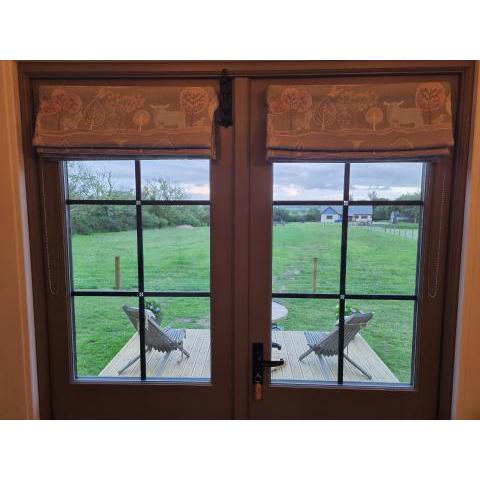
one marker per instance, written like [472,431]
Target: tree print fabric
[170,118]
[359,120]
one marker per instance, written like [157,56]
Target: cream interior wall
[18,391]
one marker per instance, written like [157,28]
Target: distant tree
[380,212]
[281,215]
[162,189]
[89,184]
[86,184]
[383,212]
[411,212]
[312,215]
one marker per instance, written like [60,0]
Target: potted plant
[156,309]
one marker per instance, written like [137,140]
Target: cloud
[192,175]
[197,191]
[315,181]
[291,181]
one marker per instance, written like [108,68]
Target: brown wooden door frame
[239,148]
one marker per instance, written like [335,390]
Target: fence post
[118,274]
[314,274]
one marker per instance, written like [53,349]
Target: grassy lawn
[178,259]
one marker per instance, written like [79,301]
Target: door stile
[241,215]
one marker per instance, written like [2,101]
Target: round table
[278,312]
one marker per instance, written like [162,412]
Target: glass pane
[101,180]
[176,179]
[176,247]
[104,246]
[297,324]
[386,181]
[383,347]
[382,256]
[104,337]
[306,249]
[178,346]
[308,181]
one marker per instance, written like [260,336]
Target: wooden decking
[312,368]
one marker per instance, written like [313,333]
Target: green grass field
[178,259]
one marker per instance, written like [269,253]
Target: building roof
[330,210]
[352,210]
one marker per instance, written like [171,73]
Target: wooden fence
[391,230]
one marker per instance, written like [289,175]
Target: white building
[331,214]
[356,213]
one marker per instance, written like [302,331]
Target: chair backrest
[353,323]
[155,337]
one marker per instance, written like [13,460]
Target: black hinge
[224,113]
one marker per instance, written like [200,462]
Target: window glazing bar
[141,283]
[343,272]
[400,203]
[135,202]
[348,296]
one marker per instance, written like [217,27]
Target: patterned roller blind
[350,121]
[170,119]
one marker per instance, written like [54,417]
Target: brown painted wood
[88,401]
[241,372]
[251,69]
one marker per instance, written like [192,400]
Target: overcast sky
[322,181]
[309,181]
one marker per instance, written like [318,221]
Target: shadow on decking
[197,342]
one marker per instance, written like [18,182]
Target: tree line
[380,212]
[88,184]
[383,212]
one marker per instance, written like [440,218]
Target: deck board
[197,343]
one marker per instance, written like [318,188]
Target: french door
[347,262]
[138,278]
[235,287]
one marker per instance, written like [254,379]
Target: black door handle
[258,363]
[272,363]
